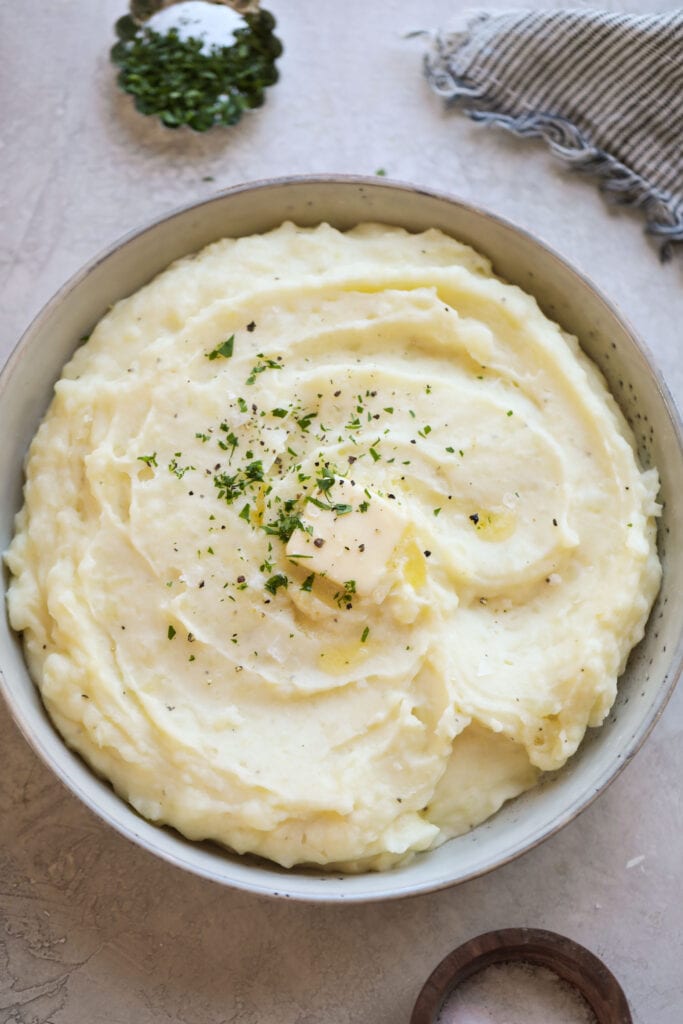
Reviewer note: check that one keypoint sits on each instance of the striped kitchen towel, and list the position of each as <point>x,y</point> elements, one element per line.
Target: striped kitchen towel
<point>604,90</point>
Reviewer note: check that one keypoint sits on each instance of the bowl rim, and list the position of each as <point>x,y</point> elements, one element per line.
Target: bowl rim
<point>385,890</point>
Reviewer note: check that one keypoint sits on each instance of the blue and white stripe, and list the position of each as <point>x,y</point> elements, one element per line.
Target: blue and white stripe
<point>604,90</point>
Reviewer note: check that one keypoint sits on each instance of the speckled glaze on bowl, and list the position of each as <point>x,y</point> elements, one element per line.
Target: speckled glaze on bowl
<point>25,391</point>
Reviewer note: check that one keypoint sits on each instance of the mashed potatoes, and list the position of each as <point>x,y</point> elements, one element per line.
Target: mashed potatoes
<point>332,543</point>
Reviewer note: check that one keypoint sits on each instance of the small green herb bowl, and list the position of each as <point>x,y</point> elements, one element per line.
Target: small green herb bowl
<point>26,388</point>
<point>183,84</point>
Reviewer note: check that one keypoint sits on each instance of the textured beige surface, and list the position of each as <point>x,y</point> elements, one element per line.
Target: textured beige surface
<point>91,928</point>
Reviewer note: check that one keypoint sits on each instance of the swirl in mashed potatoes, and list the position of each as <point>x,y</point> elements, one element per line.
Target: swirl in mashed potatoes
<point>332,542</point>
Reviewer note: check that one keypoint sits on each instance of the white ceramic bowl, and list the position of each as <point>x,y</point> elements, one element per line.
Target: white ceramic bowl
<point>25,391</point>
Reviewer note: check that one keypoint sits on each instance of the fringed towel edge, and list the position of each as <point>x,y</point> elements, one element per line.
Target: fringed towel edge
<point>618,183</point>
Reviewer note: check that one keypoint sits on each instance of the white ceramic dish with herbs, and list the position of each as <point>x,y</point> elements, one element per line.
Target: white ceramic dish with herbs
<point>566,297</point>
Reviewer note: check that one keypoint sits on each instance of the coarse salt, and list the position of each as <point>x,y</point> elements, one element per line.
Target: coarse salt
<point>515,993</point>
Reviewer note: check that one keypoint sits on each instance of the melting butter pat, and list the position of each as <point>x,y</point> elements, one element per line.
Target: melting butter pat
<point>350,545</point>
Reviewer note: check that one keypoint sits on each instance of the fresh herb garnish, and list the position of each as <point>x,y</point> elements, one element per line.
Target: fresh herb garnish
<point>265,364</point>
<point>365,634</point>
<point>224,349</point>
<point>231,441</point>
<point>307,584</point>
<point>149,460</point>
<point>305,421</point>
<point>286,523</point>
<point>181,83</point>
<point>343,597</point>
<point>230,486</point>
<point>273,584</point>
<point>326,480</point>
<point>175,467</point>
<point>341,508</point>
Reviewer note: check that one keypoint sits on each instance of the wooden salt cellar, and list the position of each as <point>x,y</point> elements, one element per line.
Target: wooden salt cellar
<point>573,963</point>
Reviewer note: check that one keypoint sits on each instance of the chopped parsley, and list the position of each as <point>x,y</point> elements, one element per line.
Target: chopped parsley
<point>149,460</point>
<point>326,480</point>
<point>175,467</point>
<point>231,440</point>
<point>265,364</point>
<point>288,520</point>
<point>184,82</point>
<point>305,421</point>
<point>230,486</point>
<point>341,508</point>
<point>171,632</point>
<point>343,597</point>
<point>273,584</point>
<point>224,350</point>
<point>307,584</point>
<point>365,634</point>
